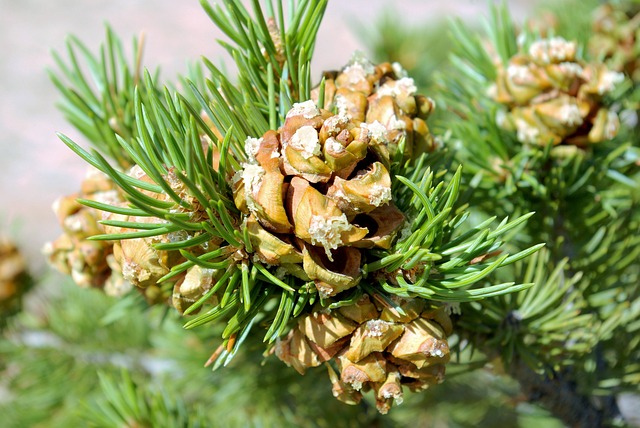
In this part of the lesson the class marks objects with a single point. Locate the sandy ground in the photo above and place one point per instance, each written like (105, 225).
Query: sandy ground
(36, 167)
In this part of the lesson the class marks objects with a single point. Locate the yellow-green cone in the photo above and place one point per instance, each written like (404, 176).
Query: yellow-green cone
(13, 274)
(311, 193)
(616, 32)
(551, 97)
(90, 263)
(317, 191)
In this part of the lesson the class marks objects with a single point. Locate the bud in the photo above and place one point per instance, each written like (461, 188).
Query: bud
(268, 247)
(295, 351)
(439, 314)
(363, 310)
(317, 219)
(343, 391)
(193, 286)
(388, 392)
(430, 375)
(410, 307)
(142, 265)
(334, 275)
(269, 205)
(365, 192)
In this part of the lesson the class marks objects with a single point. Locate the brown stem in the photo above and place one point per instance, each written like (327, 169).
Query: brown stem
(559, 395)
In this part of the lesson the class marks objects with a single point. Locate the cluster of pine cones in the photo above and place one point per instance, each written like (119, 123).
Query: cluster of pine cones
(314, 195)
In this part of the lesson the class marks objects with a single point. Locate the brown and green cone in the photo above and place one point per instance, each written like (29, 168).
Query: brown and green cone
(381, 94)
(13, 274)
(143, 265)
(316, 195)
(90, 263)
(117, 265)
(373, 347)
(551, 97)
(317, 192)
(616, 36)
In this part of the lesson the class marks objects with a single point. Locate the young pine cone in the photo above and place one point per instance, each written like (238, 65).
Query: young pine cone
(382, 96)
(117, 265)
(317, 192)
(616, 32)
(373, 347)
(13, 274)
(553, 98)
(140, 263)
(90, 263)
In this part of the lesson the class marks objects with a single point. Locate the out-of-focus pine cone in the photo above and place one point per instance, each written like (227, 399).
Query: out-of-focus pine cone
(616, 33)
(141, 264)
(117, 265)
(552, 98)
(384, 97)
(90, 263)
(13, 274)
(373, 347)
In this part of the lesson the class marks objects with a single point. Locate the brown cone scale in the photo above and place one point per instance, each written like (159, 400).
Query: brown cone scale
(370, 353)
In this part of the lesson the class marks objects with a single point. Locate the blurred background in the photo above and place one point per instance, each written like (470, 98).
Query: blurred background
(37, 168)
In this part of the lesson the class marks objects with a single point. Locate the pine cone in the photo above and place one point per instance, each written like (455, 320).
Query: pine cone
(139, 263)
(116, 266)
(13, 274)
(385, 98)
(374, 347)
(319, 189)
(315, 193)
(616, 31)
(90, 263)
(551, 97)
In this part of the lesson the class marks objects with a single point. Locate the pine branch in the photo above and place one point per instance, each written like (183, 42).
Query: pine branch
(559, 394)
(573, 191)
(98, 91)
(232, 211)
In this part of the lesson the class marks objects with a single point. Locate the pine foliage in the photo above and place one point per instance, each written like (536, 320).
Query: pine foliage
(531, 249)
(164, 139)
(586, 204)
